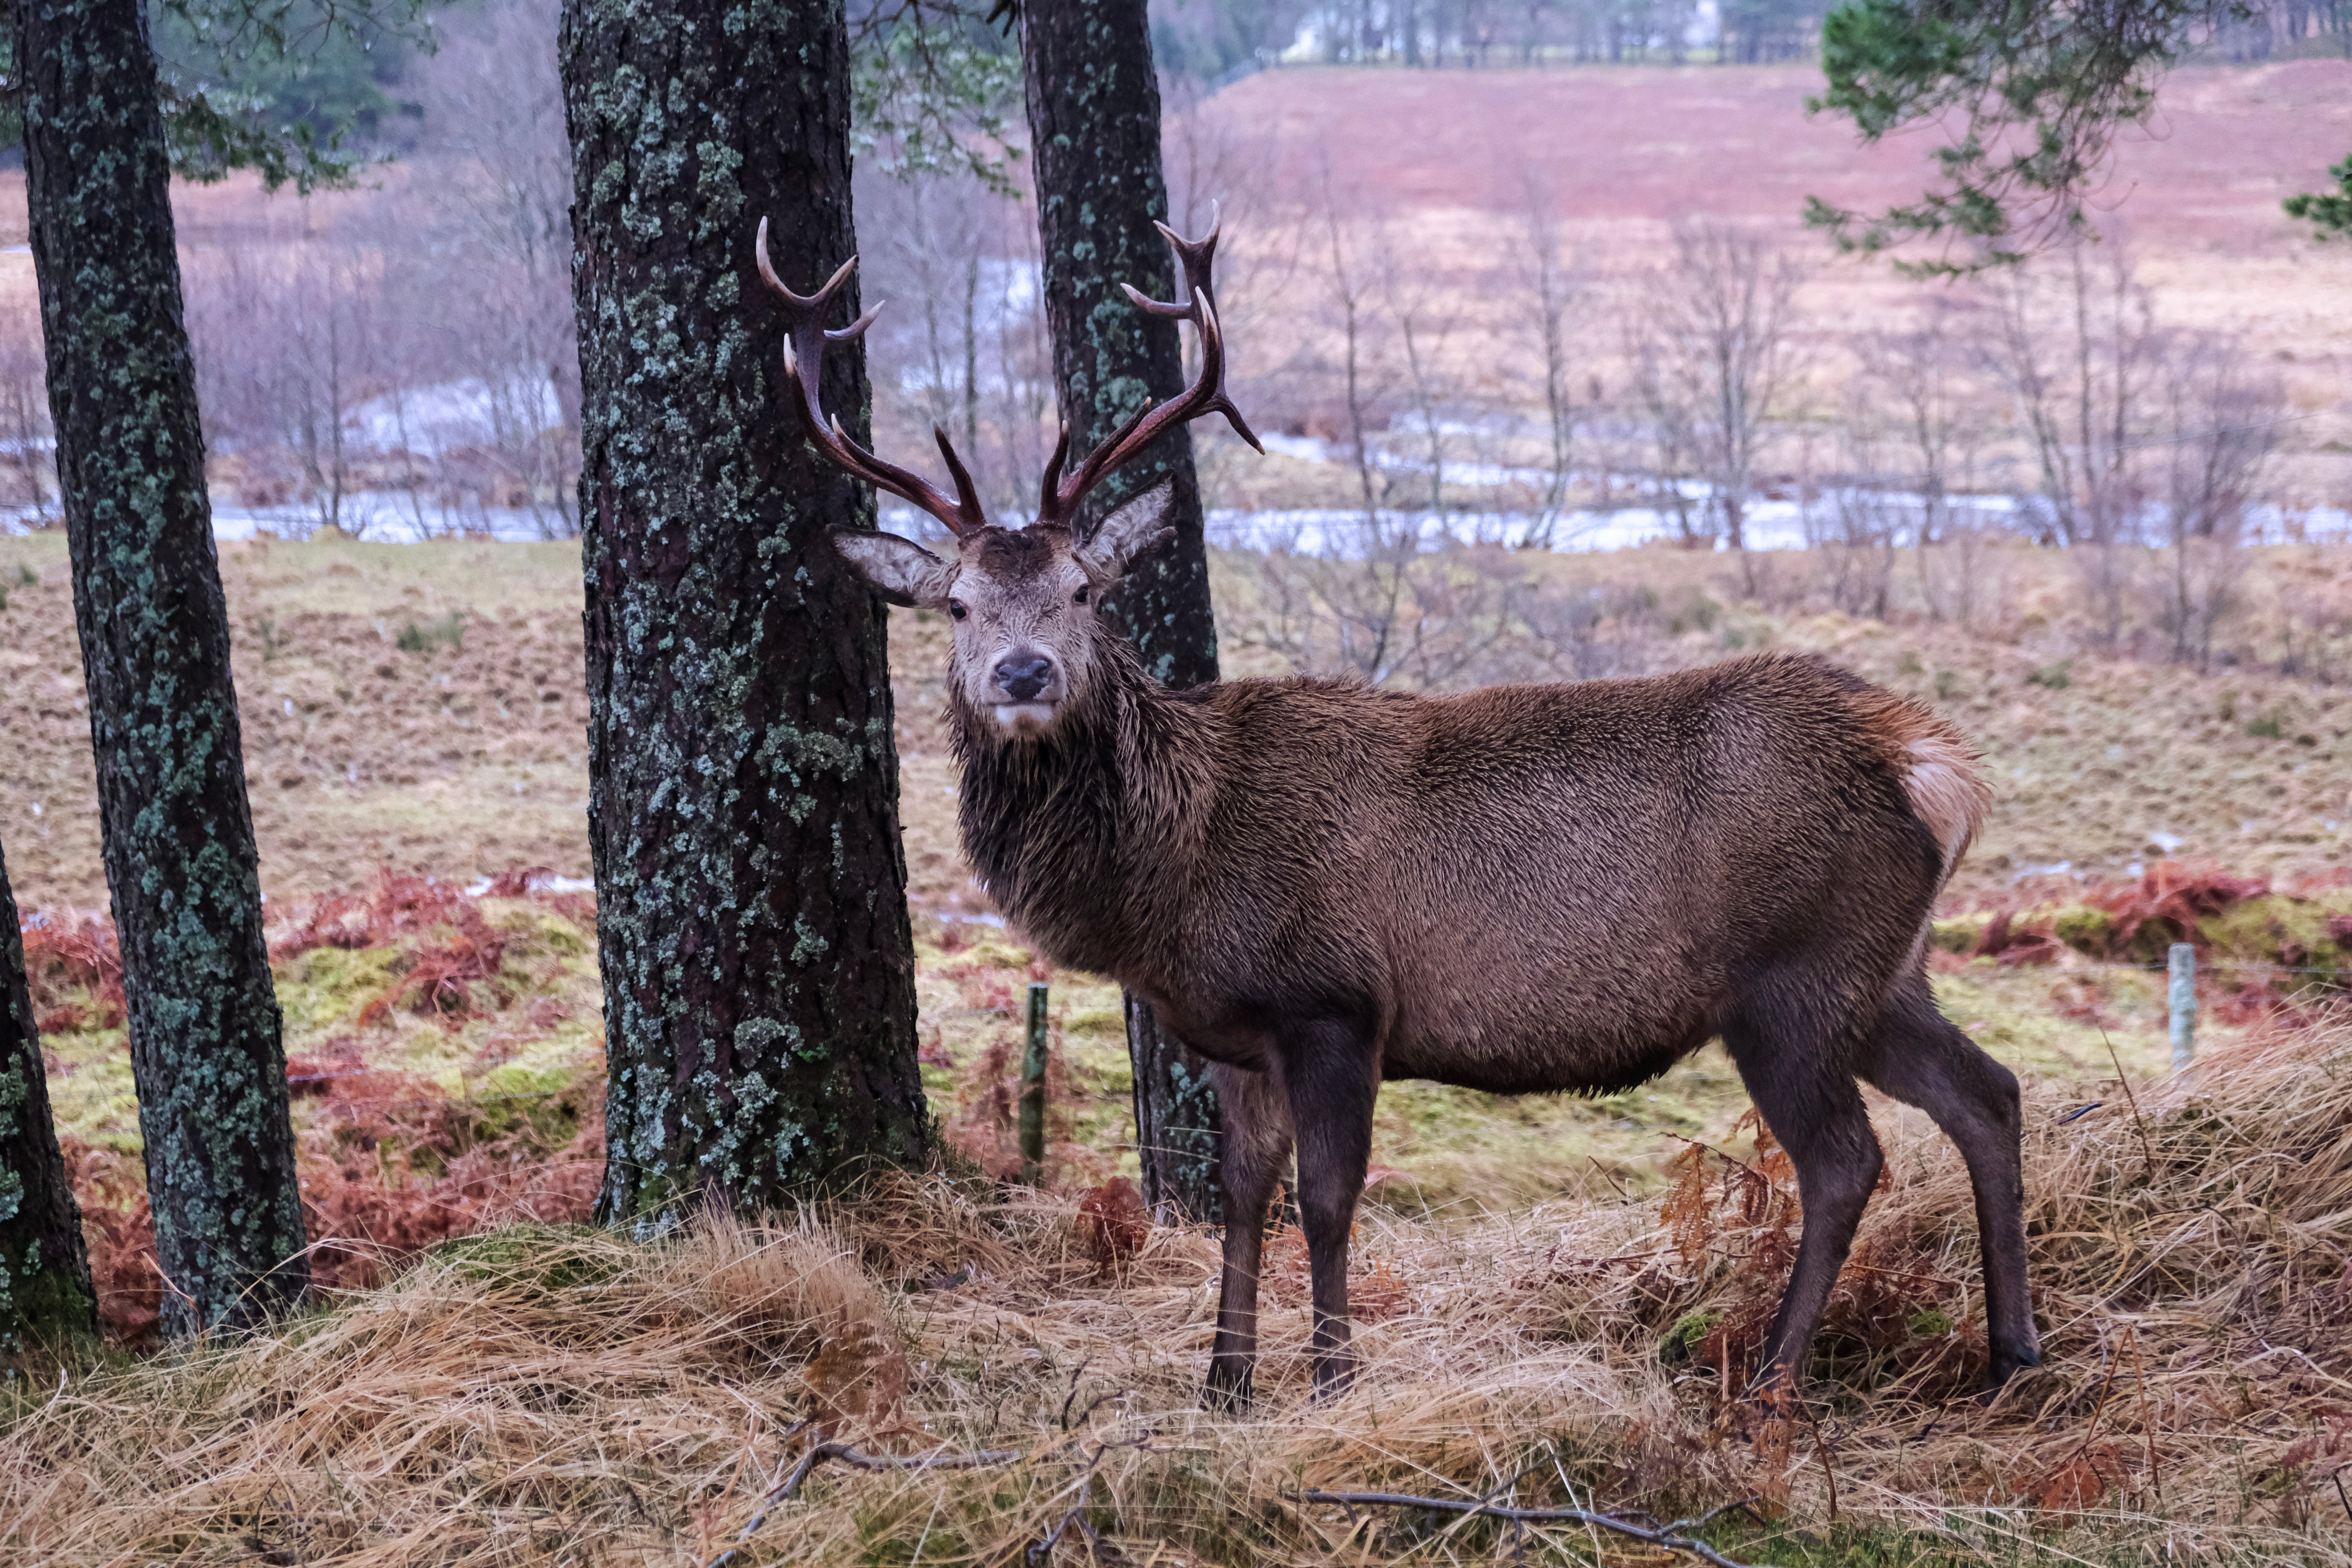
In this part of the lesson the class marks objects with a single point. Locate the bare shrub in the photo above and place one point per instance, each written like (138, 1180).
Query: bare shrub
(286, 339)
(1558, 293)
(492, 204)
(27, 444)
(1855, 541)
(1588, 630)
(1917, 389)
(966, 348)
(1962, 576)
(1714, 360)
(2077, 350)
(2220, 423)
(1387, 609)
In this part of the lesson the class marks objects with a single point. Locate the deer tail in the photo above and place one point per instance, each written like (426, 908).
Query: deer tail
(1942, 774)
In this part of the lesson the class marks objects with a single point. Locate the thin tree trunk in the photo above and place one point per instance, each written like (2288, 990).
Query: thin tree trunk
(1094, 119)
(743, 808)
(207, 1051)
(46, 1298)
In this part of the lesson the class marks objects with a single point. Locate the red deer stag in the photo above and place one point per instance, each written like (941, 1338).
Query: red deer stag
(1524, 889)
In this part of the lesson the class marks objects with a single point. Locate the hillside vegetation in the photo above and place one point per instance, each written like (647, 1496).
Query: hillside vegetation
(1559, 1291)
(549, 1394)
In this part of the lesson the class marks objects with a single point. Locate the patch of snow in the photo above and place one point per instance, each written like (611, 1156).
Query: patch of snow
(432, 421)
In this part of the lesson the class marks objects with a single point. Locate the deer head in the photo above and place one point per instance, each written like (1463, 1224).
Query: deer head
(1022, 600)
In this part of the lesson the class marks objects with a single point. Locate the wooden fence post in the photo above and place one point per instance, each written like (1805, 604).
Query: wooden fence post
(2182, 996)
(1033, 1089)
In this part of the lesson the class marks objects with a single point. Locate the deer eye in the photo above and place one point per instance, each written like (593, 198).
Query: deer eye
(1080, 597)
(957, 610)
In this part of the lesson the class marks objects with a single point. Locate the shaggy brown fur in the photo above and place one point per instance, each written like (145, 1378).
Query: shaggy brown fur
(1522, 890)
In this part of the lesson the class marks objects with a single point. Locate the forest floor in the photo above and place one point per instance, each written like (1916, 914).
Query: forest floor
(414, 720)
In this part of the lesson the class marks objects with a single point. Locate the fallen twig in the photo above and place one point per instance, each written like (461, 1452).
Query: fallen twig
(1669, 1536)
(2147, 1150)
(1042, 1552)
(820, 1453)
(2147, 1420)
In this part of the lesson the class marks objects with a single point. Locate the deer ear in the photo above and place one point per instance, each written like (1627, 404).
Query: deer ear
(900, 570)
(1130, 534)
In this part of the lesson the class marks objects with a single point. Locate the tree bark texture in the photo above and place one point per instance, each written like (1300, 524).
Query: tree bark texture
(206, 1051)
(1177, 1123)
(744, 810)
(1094, 121)
(46, 1298)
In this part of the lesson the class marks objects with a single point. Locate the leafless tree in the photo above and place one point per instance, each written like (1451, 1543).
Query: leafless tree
(286, 339)
(2220, 424)
(1220, 171)
(1423, 320)
(1856, 534)
(2076, 349)
(27, 446)
(1668, 403)
(494, 180)
(1558, 293)
(1920, 391)
(1368, 594)
(934, 242)
(964, 347)
(1715, 358)
(1364, 595)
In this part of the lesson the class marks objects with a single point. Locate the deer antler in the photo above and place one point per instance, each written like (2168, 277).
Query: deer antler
(805, 337)
(1058, 504)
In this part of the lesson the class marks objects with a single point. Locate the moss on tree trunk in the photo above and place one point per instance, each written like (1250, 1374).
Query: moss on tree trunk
(743, 814)
(205, 1044)
(1094, 121)
(45, 1300)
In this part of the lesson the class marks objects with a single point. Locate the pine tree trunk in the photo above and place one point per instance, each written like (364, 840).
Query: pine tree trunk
(46, 1298)
(207, 1051)
(1094, 119)
(743, 809)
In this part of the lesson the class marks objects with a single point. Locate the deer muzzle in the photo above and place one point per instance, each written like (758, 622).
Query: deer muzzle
(1029, 685)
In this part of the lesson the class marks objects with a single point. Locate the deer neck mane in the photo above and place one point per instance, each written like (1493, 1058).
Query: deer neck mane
(1084, 839)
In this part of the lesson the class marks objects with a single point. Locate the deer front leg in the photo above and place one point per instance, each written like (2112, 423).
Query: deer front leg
(1256, 1142)
(1334, 1084)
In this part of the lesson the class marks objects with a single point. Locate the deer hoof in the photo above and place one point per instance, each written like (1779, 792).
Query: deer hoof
(2007, 1364)
(1227, 1391)
(1332, 1378)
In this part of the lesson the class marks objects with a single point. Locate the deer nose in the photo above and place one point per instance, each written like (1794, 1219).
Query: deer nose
(1024, 675)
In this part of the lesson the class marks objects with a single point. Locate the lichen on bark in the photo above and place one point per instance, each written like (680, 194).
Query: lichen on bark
(1093, 122)
(206, 1051)
(46, 1298)
(753, 937)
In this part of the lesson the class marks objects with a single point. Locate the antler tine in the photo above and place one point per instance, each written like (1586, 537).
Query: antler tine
(1197, 256)
(805, 339)
(1207, 395)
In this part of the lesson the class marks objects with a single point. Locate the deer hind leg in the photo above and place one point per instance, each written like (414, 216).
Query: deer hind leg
(1256, 1142)
(1918, 1056)
(1334, 1083)
(1795, 1067)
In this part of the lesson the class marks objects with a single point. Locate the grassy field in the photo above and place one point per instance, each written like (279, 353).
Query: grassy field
(541, 1392)
(418, 710)
(559, 1395)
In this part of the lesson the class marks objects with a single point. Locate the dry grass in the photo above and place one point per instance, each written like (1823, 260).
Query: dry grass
(546, 1395)
(470, 762)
